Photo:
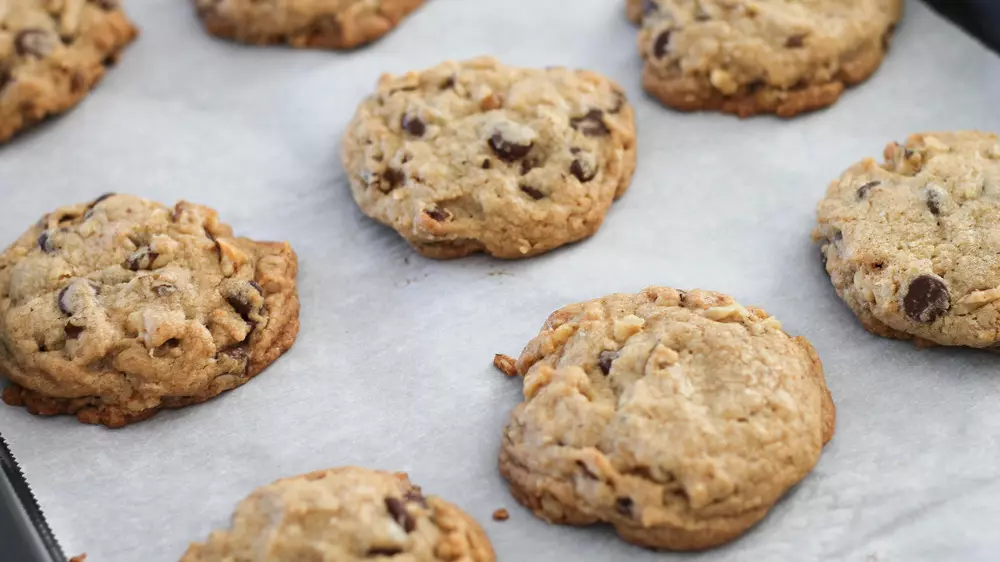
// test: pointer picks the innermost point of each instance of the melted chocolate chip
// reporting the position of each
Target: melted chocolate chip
(864, 189)
(532, 192)
(398, 511)
(437, 214)
(508, 151)
(582, 173)
(624, 506)
(63, 302)
(237, 352)
(605, 359)
(526, 166)
(391, 179)
(486, 164)
(934, 203)
(34, 42)
(72, 332)
(661, 44)
(164, 290)
(926, 299)
(591, 124)
(385, 551)
(619, 103)
(44, 242)
(448, 84)
(413, 125)
(241, 306)
(795, 41)
(143, 259)
(256, 286)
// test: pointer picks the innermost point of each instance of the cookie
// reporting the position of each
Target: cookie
(635, 9)
(323, 24)
(762, 56)
(53, 53)
(478, 156)
(677, 417)
(113, 309)
(912, 245)
(344, 515)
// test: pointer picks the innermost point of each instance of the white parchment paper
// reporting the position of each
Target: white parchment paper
(392, 365)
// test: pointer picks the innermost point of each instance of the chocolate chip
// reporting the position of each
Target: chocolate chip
(390, 179)
(384, 551)
(508, 151)
(448, 84)
(864, 189)
(165, 290)
(532, 192)
(591, 124)
(605, 359)
(582, 173)
(487, 164)
(624, 506)
(72, 332)
(5, 78)
(661, 44)
(399, 513)
(526, 166)
(237, 352)
(934, 202)
(34, 42)
(63, 303)
(437, 214)
(756, 86)
(795, 41)
(413, 125)
(241, 306)
(142, 259)
(619, 103)
(256, 286)
(44, 242)
(926, 299)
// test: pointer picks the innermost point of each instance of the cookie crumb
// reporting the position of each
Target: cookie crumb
(78, 558)
(506, 364)
(501, 514)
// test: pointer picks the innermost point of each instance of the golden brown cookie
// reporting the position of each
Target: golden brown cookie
(345, 514)
(760, 56)
(53, 53)
(912, 244)
(113, 309)
(324, 24)
(478, 156)
(680, 418)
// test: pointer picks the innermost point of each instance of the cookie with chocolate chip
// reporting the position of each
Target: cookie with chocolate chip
(762, 56)
(679, 418)
(52, 54)
(911, 244)
(478, 156)
(116, 308)
(345, 514)
(320, 24)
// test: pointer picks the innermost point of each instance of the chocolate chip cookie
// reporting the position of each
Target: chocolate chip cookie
(116, 308)
(53, 53)
(344, 515)
(323, 24)
(478, 156)
(678, 417)
(760, 56)
(912, 245)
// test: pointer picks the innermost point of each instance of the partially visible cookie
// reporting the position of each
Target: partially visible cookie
(324, 24)
(762, 56)
(53, 53)
(116, 308)
(680, 418)
(635, 9)
(912, 245)
(478, 156)
(345, 515)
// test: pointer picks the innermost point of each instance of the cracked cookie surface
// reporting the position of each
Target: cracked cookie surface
(325, 24)
(344, 515)
(678, 417)
(760, 56)
(478, 156)
(52, 53)
(911, 244)
(113, 309)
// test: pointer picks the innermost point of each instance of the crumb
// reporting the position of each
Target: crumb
(501, 515)
(506, 364)
(79, 558)
(500, 273)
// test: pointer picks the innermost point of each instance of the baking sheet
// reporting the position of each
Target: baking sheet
(392, 365)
